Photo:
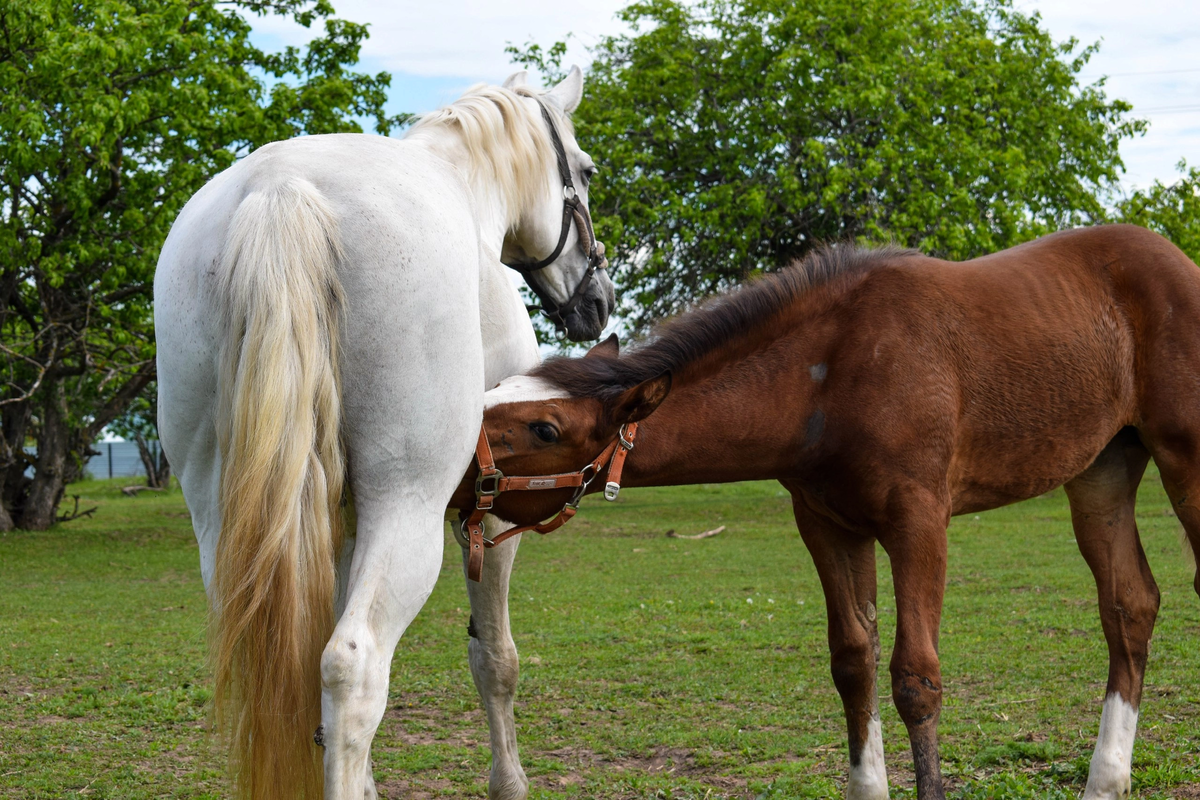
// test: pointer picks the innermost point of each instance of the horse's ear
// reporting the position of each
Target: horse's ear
(609, 348)
(640, 401)
(567, 94)
(516, 79)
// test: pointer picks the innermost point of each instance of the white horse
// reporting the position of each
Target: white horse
(329, 312)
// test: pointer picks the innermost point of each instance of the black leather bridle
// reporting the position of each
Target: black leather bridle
(573, 209)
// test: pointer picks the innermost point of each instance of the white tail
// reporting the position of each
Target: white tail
(282, 476)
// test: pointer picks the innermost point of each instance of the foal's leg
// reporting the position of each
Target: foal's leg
(1181, 479)
(846, 564)
(1102, 501)
(915, 539)
(493, 658)
(397, 556)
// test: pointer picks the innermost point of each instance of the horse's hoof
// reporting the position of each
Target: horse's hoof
(509, 787)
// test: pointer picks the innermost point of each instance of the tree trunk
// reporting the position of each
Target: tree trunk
(164, 469)
(13, 483)
(152, 476)
(50, 475)
(6, 522)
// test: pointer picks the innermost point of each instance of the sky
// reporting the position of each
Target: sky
(1149, 49)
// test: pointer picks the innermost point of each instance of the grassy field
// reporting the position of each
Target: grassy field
(652, 667)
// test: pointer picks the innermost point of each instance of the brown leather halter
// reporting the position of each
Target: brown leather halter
(491, 482)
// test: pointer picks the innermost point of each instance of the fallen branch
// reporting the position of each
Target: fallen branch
(132, 491)
(75, 512)
(673, 535)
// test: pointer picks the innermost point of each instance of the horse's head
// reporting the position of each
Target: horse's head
(553, 244)
(535, 428)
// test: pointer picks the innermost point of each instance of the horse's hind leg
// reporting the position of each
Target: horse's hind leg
(1180, 473)
(397, 556)
(1102, 511)
(493, 658)
(846, 565)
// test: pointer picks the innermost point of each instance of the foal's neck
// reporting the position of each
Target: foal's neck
(749, 417)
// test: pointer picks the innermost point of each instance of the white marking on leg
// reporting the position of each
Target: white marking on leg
(521, 389)
(868, 780)
(1108, 777)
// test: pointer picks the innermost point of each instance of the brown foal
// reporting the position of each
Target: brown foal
(888, 391)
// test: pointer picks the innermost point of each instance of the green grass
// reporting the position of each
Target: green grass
(652, 667)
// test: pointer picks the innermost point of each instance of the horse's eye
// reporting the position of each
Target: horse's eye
(587, 175)
(544, 431)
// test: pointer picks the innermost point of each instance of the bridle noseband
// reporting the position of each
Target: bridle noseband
(491, 482)
(573, 209)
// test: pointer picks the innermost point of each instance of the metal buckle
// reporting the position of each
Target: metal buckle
(463, 536)
(577, 498)
(610, 491)
(625, 443)
(460, 534)
(495, 476)
(587, 474)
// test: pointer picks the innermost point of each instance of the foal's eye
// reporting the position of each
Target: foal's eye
(544, 431)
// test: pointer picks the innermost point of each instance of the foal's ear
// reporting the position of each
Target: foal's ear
(609, 348)
(639, 402)
(569, 91)
(515, 80)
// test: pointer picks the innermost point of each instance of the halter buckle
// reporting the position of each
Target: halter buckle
(481, 480)
(625, 443)
(611, 489)
(463, 536)
(587, 474)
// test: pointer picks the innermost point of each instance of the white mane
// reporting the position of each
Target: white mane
(507, 142)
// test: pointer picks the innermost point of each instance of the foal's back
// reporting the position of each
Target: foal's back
(1019, 367)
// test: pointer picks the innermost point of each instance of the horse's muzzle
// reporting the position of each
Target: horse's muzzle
(586, 321)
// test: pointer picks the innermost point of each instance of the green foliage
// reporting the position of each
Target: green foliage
(140, 417)
(115, 112)
(1173, 210)
(734, 135)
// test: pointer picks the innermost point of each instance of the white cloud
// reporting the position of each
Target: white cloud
(465, 38)
(1144, 47)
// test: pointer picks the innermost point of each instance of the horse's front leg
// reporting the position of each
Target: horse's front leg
(493, 658)
(845, 563)
(914, 536)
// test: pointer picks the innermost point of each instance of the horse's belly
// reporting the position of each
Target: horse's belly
(988, 473)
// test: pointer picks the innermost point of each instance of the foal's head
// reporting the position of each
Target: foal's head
(535, 427)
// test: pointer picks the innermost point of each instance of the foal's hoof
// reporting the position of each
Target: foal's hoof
(319, 736)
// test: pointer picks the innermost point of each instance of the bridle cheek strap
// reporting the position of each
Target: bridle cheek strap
(573, 211)
(491, 482)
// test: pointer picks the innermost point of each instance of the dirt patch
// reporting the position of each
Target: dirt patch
(1187, 791)
(51, 719)
(414, 789)
(415, 721)
(675, 761)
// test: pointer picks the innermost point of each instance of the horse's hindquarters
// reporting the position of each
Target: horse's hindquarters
(411, 365)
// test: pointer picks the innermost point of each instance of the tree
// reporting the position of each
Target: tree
(139, 423)
(115, 112)
(1170, 209)
(735, 135)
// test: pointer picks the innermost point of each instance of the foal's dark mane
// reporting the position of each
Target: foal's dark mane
(677, 343)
